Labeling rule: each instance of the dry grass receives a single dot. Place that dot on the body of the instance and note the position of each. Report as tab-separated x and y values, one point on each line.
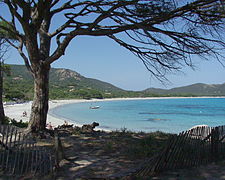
104	154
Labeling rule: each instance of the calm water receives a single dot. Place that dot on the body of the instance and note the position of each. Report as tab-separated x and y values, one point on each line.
168	115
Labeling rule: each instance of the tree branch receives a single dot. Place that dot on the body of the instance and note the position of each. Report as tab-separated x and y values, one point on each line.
154	29
20	50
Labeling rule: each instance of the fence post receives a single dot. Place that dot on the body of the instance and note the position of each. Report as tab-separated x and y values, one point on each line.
215	144
59	153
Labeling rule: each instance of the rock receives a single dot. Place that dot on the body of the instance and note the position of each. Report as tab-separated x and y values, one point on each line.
64	126
89	127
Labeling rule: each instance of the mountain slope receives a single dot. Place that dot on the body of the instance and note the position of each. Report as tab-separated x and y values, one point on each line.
194	89
67	77
64	83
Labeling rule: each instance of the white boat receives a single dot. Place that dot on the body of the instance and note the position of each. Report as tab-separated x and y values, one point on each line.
94	107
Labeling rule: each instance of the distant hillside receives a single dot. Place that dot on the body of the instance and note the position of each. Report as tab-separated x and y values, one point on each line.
66	77
64	83
198	89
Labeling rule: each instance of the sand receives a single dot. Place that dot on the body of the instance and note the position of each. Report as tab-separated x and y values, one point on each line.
16	111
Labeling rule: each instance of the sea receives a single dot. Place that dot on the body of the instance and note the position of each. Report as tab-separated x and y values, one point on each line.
147	115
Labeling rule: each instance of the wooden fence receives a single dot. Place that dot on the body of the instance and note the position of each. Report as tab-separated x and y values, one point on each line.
194	147
19	154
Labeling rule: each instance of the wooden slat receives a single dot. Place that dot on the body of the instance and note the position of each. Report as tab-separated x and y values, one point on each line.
16	155
19	155
166	154
27	164
33	159
1	147
190	148
3	143
24	153
36	161
9	146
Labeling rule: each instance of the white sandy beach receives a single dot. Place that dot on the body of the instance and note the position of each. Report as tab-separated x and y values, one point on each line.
16	111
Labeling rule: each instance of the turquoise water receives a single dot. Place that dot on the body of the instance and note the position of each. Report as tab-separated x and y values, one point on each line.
168	115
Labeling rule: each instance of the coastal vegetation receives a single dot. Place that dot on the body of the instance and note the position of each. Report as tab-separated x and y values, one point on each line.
147	29
68	84
4	36
109	153
116	155
13	122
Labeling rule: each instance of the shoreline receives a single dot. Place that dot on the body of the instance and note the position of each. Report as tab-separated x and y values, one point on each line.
16	111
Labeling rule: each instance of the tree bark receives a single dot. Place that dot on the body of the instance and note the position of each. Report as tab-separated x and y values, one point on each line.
2	113
39	108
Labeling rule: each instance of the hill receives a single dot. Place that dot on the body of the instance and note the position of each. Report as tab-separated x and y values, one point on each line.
198	89
66	84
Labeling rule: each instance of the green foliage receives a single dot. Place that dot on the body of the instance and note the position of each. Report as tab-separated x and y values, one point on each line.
6	120
6	69
67	84
153	8
88	94
108	146
64	84
136	145
148	146
4	33
13	122
84	94
19	124
14	94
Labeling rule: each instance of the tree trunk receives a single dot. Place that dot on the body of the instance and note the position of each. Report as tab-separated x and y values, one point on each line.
2	113
39	108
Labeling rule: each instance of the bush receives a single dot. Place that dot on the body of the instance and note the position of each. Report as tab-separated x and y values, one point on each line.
12	95
13	122
19	124
6	120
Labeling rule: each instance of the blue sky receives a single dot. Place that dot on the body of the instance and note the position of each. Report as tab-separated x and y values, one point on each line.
102	59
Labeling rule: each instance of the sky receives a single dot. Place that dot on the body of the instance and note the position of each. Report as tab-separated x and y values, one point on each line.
101	58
